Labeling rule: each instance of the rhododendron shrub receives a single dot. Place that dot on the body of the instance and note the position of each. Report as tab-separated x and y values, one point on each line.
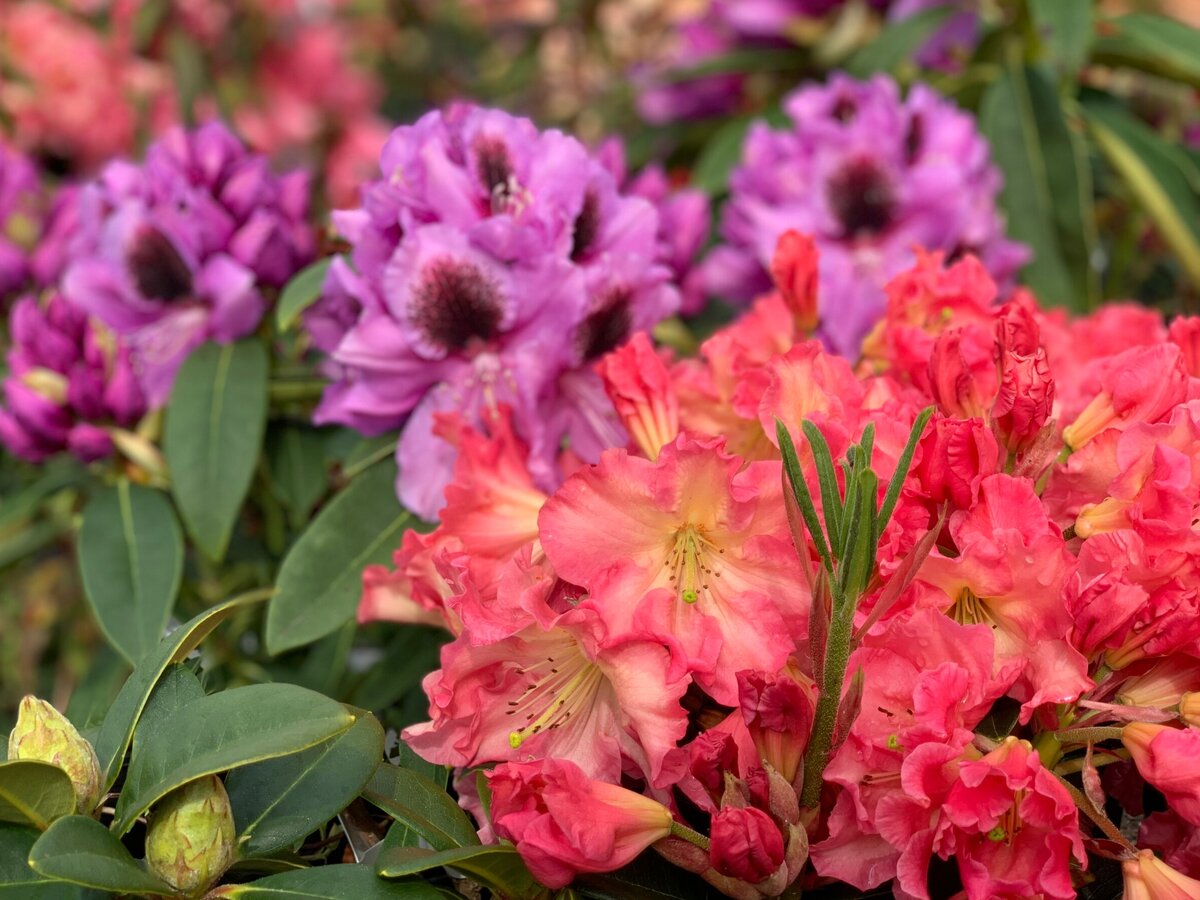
835	619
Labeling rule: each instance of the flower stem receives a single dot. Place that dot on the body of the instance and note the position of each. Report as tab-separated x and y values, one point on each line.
679	830
837	656
1088	735
1070	766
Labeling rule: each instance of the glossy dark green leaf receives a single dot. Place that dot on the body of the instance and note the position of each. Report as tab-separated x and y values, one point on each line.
277	802
213	436
409	655
97	689
1068	28
897	43
117	730
81	850
367	452
131	559
178	687
18	881
338	882
1156	44
1160	176
646	878
296	461
224	731
300	293
417	801
320	581
34	793
1047	194
496	866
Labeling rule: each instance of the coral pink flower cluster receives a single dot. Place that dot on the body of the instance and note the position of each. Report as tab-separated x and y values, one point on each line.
637	659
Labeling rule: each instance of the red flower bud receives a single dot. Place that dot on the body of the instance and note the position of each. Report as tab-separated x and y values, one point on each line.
794	271
745	844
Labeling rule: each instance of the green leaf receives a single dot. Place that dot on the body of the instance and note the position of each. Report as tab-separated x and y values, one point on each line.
296	461
738	62
276	803
117	730
178	687
338	882
18	881
1158	174
1047	189
367	453
897	43
300	293
496	866
417	801
34	793
646	878
1155	44
1068	28
410	654
131	559
795	476
901	471
97	688
831	497
81	850
213	436
223	731
719	156
320	581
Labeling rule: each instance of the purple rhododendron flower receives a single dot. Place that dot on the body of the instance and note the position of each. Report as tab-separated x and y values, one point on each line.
870	176
493	263
954	40
176	251
19	192
68	378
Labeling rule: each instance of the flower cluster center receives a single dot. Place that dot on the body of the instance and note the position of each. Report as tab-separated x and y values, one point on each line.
456	305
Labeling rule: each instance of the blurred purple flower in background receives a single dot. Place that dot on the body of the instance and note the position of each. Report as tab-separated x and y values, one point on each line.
493	263
667	91
19	195
870	176
68	378
175	251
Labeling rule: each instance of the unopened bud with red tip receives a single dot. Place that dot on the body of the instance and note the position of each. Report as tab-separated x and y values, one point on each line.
778	712
794	271
710	756
770	791
44	734
190	839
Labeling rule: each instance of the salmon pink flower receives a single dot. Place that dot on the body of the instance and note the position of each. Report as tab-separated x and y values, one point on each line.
1149	878
956	455
564	823
794	271
1141	384
1010	574
1014	827
1025	395
640	388
778	713
1168	758
1184	333
559	689
694	544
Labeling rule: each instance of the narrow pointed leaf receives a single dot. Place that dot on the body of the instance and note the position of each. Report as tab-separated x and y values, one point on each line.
81	850
831	498
117	730
791	465
34	793
902	466
131	559
898	43
224	731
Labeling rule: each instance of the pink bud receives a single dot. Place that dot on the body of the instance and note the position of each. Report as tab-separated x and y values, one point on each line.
745	844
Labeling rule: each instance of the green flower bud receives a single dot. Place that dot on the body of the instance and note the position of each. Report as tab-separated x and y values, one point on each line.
43	733
190	838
